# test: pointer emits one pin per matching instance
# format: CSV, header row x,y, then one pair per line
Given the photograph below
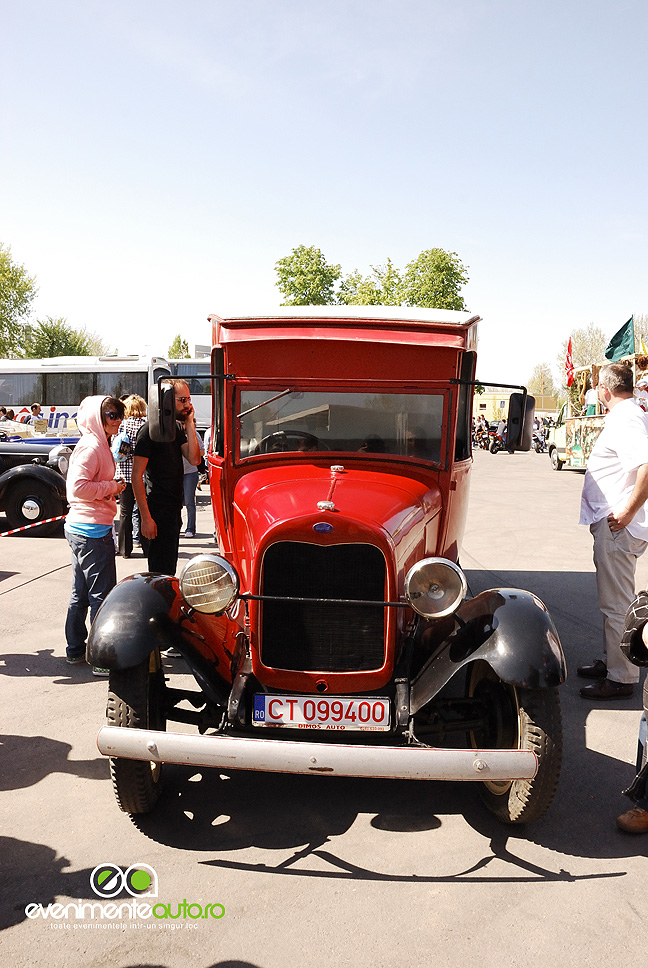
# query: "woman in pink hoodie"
x,y
91,491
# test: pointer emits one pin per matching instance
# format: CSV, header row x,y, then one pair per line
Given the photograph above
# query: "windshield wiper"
x,y
264,404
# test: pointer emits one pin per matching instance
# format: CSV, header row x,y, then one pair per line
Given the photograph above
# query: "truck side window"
x,y
465,395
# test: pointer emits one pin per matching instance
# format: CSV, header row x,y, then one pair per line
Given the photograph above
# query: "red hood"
x,y
281,503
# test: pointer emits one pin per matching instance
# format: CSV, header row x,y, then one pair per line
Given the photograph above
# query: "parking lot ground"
x,y
315,872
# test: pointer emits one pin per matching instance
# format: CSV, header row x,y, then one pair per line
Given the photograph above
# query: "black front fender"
x,y
26,472
508,628
134,620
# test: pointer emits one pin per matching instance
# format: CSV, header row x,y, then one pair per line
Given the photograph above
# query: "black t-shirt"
x,y
165,471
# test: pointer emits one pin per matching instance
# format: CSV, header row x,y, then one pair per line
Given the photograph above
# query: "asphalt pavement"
x,y
315,872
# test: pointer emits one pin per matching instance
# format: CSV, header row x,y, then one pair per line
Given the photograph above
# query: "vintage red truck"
x,y
332,633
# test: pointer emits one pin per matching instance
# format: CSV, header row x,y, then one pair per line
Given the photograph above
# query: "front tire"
x,y
556,462
525,719
31,501
136,701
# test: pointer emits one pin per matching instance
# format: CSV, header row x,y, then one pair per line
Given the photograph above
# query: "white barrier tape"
x,y
36,524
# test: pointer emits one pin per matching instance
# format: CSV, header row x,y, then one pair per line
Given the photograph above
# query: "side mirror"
x,y
519,432
161,412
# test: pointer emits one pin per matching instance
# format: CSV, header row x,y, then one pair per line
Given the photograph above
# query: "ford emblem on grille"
x,y
323,527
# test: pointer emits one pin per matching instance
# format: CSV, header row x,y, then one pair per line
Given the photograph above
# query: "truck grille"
x,y
313,637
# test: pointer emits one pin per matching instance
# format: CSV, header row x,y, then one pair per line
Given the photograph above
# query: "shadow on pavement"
x,y
34,874
26,760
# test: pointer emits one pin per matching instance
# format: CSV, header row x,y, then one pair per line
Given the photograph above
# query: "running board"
x,y
287,756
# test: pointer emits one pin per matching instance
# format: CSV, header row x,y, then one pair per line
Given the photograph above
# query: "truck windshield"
x,y
405,424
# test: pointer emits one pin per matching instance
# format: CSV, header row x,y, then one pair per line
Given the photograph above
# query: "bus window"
x,y
63,389
116,384
15,388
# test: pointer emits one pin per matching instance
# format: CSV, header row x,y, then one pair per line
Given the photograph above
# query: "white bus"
x,y
196,373
60,383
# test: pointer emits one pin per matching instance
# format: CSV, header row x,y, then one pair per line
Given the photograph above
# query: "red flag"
x,y
569,365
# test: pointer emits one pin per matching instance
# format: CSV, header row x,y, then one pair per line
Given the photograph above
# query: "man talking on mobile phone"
x,y
157,480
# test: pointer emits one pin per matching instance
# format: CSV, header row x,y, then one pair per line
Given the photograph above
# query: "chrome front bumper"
x,y
288,756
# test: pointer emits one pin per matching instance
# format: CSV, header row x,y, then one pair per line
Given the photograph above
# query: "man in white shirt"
x,y
641,393
613,504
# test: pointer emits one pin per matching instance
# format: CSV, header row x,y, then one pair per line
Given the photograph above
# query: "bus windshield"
x,y
397,424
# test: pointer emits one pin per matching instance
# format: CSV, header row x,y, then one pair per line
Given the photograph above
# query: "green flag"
x,y
622,343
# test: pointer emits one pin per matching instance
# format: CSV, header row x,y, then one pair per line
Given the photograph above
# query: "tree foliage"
x,y
641,330
306,278
55,337
588,346
433,279
179,349
17,291
381,288
541,381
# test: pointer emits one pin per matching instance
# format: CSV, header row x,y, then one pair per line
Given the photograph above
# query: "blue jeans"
x,y
93,575
190,484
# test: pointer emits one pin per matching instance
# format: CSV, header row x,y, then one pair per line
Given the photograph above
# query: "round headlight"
x,y
59,457
209,584
435,587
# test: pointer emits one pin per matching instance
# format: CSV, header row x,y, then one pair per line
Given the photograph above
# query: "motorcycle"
x,y
539,442
497,442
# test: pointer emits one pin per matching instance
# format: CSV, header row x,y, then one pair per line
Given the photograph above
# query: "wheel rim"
x,y
502,730
31,509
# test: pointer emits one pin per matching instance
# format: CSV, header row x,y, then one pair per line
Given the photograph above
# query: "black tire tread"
x,y
541,731
136,789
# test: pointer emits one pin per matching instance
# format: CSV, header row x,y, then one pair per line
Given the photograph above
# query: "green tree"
x,y
306,278
434,279
179,349
55,337
17,291
381,288
541,381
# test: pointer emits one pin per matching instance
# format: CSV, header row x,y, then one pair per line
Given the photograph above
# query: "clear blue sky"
x,y
157,158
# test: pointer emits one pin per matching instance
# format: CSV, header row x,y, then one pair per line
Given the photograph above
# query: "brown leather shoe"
x,y
597,670
607,689
634,821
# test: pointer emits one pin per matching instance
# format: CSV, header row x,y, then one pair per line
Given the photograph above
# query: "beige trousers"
x,y
615,560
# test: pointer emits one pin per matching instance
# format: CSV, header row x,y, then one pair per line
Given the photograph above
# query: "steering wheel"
x,y
280,441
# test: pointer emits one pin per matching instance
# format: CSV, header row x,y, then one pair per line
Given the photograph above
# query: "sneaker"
x,y
189,534
634,821
75,659
98,671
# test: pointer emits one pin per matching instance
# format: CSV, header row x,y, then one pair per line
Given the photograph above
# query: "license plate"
x,y
314,712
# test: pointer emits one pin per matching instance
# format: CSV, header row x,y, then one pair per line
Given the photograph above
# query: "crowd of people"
x,y
116,457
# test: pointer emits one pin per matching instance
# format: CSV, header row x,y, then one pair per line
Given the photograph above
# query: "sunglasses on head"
x,y
111,415
183,399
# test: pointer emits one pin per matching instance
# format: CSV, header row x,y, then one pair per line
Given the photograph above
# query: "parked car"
x,y
332,633
32,484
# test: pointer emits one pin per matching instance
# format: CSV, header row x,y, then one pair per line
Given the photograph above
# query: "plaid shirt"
x,y
131,427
